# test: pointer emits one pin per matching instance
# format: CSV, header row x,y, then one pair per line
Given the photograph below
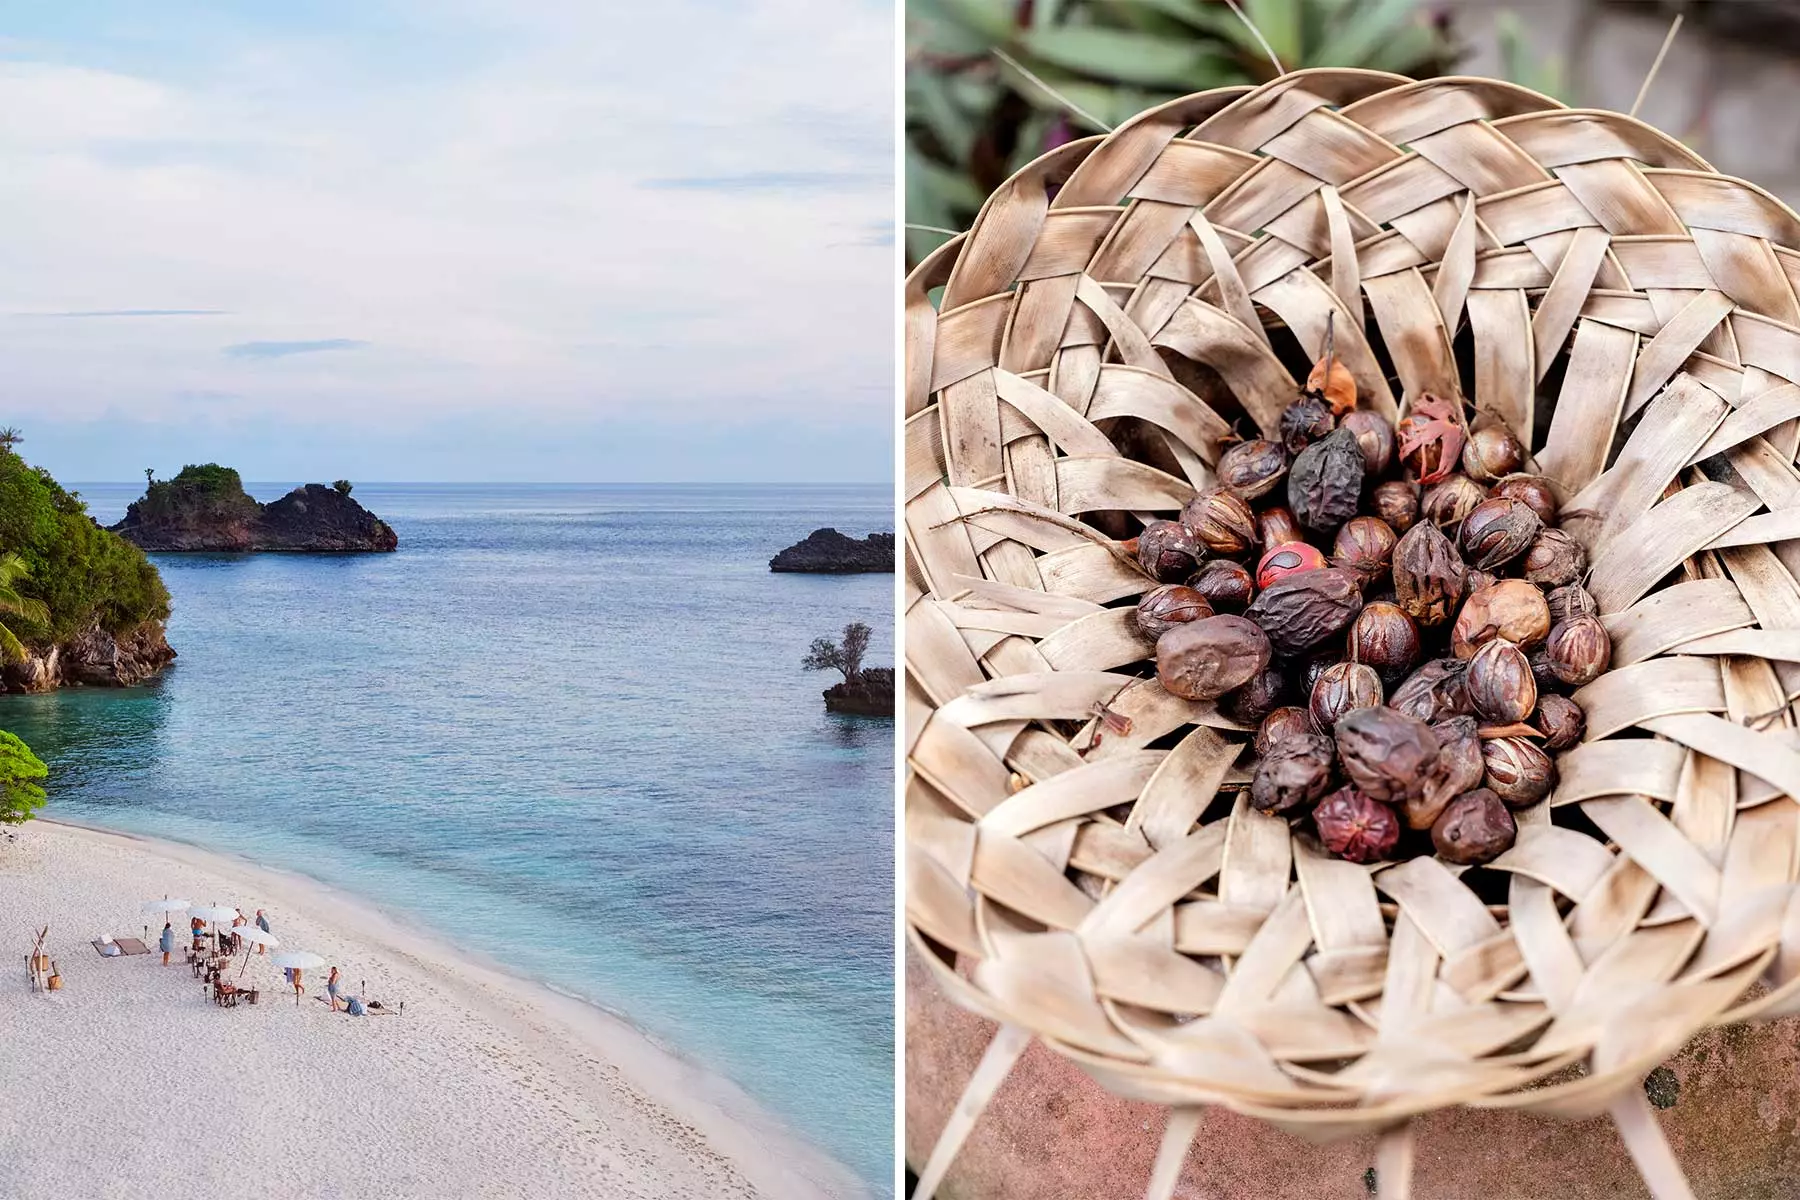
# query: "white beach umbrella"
x,y
254,937
213,912
165,905
299,960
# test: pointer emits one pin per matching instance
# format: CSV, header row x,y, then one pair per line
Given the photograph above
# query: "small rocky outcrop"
x,y
94,658
870,694
206,509
828,552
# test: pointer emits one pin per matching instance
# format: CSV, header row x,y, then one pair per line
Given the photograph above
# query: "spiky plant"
x,y
12,601
972,119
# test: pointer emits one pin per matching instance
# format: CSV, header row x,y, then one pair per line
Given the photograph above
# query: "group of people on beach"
x,y
230,942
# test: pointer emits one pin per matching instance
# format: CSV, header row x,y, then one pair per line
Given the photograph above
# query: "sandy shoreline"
x,y
127,1083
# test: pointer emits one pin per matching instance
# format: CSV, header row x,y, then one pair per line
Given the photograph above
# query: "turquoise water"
x,y
565,725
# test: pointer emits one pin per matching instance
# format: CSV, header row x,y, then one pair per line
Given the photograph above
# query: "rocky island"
x,y
78,605
205,508
828,552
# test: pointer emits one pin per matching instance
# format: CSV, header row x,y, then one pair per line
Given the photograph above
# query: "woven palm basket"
x,y
1588,279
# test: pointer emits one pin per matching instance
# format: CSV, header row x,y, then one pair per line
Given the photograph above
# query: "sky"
x,y
449,239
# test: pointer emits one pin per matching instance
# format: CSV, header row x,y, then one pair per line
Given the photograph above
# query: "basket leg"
x,y
995,1065
1649,1150
1394,1164
1178,1135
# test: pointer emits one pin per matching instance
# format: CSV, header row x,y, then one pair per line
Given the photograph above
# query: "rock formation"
x,y
828,552
870,695
93,657
206,509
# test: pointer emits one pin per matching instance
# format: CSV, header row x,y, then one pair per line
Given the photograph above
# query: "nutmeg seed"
x,y
1374,436
1492,450
1562,722
1204,659
1554,559
1276,525
1385,638
1226,584
1385,753
1285,722
1397,503
1364,545
1162,608
1253,469
1519,771
1354,827
1500,684
1448,503
1578,650
1342,687
1304,422
1249,704
1428,574
1498,530
1435,691
1292,774
1288,558
1474,828
1168,552
1222,521
1510,609
1534,490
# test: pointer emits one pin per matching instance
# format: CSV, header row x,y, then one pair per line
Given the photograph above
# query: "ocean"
x,y
566,726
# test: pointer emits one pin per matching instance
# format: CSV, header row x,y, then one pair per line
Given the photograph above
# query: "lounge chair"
x,y
127,946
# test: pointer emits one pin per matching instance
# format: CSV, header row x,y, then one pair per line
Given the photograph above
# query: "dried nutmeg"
x,y
1225,583
1428,574
1386,754
1554,559
1249,704
1452,500
1292,774
1324,486
1498,530
1510,609
1500,683
1458,768
1304,422
1384,637
1534,490
1301,610
1354,827
1431,437
1168,551
1341,688
1288,558
1571,601
1280,725
1519,772
1578,650
1312,668
1474,828
1253,469
1397,503
1162,608
1204,659
1364,545
1492,450
1222,520
1374,436
1547,681
1435,691
1276,525
1561,721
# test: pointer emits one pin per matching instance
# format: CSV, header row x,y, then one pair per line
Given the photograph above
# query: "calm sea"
x,y
567,726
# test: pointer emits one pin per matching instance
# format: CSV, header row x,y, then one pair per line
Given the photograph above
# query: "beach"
x,y
129,1083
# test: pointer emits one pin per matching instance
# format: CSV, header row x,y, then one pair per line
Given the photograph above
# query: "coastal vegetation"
x,y
62,573
865,691
20,792
205,508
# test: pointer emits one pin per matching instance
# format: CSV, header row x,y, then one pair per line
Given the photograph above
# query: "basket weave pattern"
x,y
1122,902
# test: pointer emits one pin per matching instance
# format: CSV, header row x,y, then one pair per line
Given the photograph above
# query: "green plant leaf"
x,y
931,101
1279,21
1125,57
993,19
1359,36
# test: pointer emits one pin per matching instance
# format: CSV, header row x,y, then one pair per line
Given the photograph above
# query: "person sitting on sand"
x,y
331,988
167,942
262,923
354,1006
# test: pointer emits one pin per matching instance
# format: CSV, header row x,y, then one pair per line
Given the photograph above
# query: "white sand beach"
x,y
129,1082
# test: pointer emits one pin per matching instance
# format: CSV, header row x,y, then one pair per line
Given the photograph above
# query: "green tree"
x,y
845,656
13,569
20,794
10,437
343,487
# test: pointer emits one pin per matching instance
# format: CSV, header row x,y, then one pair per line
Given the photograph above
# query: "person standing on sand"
x,y
237,923
167,942
299,988
262,923
198,928
331,988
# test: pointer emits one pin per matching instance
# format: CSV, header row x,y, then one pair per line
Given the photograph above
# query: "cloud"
x,y
772,181
531,211
283,349
131,312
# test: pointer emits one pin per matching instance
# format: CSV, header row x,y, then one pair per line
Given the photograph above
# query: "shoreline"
x,y
598,1056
